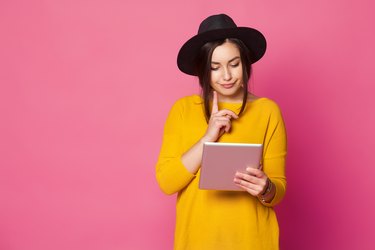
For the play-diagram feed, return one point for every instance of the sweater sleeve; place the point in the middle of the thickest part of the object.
(275, 150)
(171, 174)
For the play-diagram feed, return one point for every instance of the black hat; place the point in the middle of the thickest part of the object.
(219, 27)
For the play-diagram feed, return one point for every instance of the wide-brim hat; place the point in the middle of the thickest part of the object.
(218, 27)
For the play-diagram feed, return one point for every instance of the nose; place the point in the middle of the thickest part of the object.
(227, 74)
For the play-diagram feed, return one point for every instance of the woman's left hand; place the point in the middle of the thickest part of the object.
(254, 181)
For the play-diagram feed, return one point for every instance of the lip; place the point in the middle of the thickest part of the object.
(227, 85)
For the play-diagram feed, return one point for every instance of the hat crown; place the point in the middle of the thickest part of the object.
(216, 22)
(217, 28)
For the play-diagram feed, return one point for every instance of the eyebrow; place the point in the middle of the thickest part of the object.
(237, 57)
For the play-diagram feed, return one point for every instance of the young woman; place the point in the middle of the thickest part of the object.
(221, 55)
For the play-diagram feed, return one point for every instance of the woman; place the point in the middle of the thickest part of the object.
(221, 55)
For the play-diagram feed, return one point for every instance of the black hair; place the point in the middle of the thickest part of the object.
(203, 69)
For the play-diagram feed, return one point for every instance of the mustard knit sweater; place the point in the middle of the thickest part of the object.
(223, 220)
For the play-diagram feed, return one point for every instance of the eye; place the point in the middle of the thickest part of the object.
(214, 68)
(234, 65)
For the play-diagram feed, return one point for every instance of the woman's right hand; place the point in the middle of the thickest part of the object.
(219, 123)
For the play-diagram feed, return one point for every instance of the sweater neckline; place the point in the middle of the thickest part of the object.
(231, 103)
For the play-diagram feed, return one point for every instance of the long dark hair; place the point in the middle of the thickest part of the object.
(203, 64)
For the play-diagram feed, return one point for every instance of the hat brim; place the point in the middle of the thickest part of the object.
(252, 38)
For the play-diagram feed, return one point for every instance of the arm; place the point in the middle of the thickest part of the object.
(171, 174)
(275, 156)
(219, 123)
(255, 181)
(175, 168)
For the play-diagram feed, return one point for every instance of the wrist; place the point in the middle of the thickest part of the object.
(205, 139)
(263, 196)
(267, 188)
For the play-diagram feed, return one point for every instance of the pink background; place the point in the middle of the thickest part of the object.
(85, 89)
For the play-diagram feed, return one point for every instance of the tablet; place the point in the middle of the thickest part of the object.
(220, 162)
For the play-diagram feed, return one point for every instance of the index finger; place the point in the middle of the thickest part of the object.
(215, 107)
(255, 172)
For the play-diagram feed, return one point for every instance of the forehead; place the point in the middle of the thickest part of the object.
(225, 52)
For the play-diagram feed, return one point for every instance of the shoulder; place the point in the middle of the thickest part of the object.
(266, 108)
(186, 104)
(188, 101)
(266, 103)
(191, 99)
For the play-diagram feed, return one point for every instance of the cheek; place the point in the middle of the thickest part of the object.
(215, 76)
(238, 72)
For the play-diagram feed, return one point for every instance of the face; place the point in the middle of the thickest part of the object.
(226, 73)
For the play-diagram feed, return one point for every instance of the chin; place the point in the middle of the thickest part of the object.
(230, 92)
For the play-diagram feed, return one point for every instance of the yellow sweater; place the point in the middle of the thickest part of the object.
(222, 220)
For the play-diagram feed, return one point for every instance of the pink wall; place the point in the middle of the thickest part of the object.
(85, 87)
